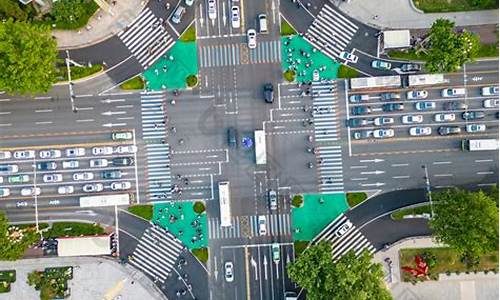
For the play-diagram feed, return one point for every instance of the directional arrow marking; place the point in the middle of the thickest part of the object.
(216, 272)
(265, 267)
(114, 125)
(112, 100)
(373, 172)
(254, 265)
(110, 113)
(376, 160)
(373, 184)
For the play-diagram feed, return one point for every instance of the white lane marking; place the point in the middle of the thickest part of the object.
(5, 100)
(5, 124)
(359, 179)
(125, 106)
(483, 160)
(87, 95)
(484, 173)
(359, 167)
(399, 165)
(43, 97)
(43, 110)
(441, 163)
(86, 108)
(486, 184)
(125, 118)
(86, 120)
(401, 177)
(45, 122)
(443, 175)
(5, 112)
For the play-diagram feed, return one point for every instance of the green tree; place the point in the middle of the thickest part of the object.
(13, 249)
(350, 277)
(27, 58)
(466, 221)
(72, 14)
(449, 50)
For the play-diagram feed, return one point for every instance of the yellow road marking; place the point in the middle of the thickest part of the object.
(407, 152)
(422, 138)
(242, 16)
(4, 137)
(247, 271)
(110, 143)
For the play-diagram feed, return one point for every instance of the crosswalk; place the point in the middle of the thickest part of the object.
(351, 240)
(331, 32)
(157, 150)
(156, 253)
(238, 54)
(247, 226)
(328, 152)
(146, 37)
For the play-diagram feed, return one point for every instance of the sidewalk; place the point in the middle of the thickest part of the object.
(101, 25)
(401, 14)
(463, 286)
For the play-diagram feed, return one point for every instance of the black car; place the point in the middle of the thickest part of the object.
(473, 115)
(410, 67)
(393, 107)
(47, 165)
(123, 161)
(454, 105)
(111, 174)
(390, 96)
(269, 92)
(357, 122)
(447, 130)
(361, 110)
(231, 137)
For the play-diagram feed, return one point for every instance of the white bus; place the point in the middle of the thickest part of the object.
(426, 79)
(375, 82)
(105, 200)
(225, 204)
(479, 145)
(260, 147)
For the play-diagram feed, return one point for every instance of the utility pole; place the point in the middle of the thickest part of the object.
(428, 188)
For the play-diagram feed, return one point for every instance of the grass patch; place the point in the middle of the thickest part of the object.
(8, 276)
(407, 54)
(286, 28)
(289, 75)
(398, 215)
(347, 72)
(446, 260)
(77, 72)
(297, 200)
(191, 80)
(354, 199)
(70, 14)
(432, 6)
(299, 247)
(199, 207)
(201, 254)
(189, 35)
(488, 50)
(62, 229)
(41, 226)
(136, 83)
(144, 211)
(4, 287)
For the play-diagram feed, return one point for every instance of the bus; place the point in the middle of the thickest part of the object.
(425, 79)
(225, 204)
(105, 200)
(479, 145)
(393, 81)
(260, 147)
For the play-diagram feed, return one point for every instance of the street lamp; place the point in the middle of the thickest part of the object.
(428, 188)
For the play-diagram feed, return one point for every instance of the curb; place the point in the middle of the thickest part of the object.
(414, 8)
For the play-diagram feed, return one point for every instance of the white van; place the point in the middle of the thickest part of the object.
(262, 23)
(179, 12)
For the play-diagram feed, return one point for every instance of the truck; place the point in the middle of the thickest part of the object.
(105, 200)
(479, 145)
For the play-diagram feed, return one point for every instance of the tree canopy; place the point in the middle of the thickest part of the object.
(449, 50)
(13, 240)
(27, 58)
(350, 277)
(466, 221)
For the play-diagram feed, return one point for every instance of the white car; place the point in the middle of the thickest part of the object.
(5, 154)
(30, 191)
(348, 57)
(120, 186)
(488, 103)
(73, 152)
(383, 133)
(444, 117)
(50, 153)
(489, 90)
(83, 176)
(262, 225)
(99, 163)
(417, 94)
(106, 150)
(412, 119)
(67, 189)
(418, 131)
(235, 16)
(453, 92)
(126, 149)
(52, 178)
(252, 38)
(473, 128)
(343, 229)
(189, 2)
(21, 204)
(228, 271)
(212, 10)
(93, 187)
(70, 164)
(4, 192)
(381, 121)
(26, 154)
(1, 179)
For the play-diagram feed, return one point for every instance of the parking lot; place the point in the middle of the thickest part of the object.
(59, 174)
